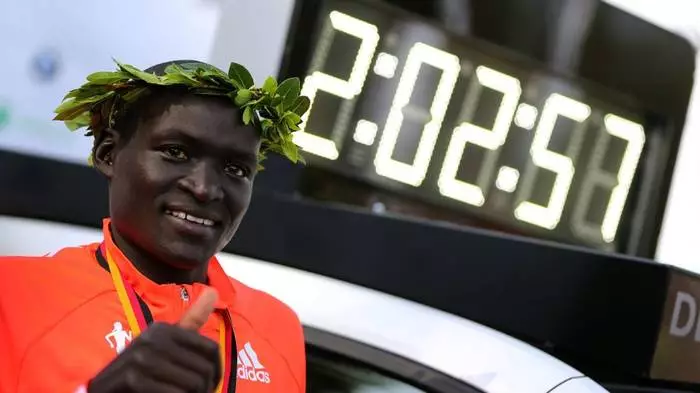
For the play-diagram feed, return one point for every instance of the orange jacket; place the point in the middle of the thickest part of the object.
(61, 322)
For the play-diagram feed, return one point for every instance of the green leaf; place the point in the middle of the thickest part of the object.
(242, 97)
(66, 104)
(240, 74)
(70, 109)
(73, 112)
(265, 102)
(204, 69)
(270, 86)
(70, 104)
(289, 91)
(107, 78)
(174, 69)
(174, 75)
(290, 150)
(71, 94)
(292, 119)
(237, 85)
(79, 122)
(267, 124)
(223, 82)
(138, 74)
(254, 101)
(86, 92)
(179, 79)
(247, 115)
(276, 101)
(301, 105)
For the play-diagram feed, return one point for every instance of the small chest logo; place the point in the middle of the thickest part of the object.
(249, 366)
(118, 338)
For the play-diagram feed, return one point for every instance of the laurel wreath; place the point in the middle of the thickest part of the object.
(275, 110)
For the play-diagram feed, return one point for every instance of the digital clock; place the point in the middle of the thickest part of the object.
(399, 103)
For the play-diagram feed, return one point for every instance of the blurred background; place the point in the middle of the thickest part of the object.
(557, 129)
(615, 57)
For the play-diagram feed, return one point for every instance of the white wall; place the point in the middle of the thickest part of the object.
(81, 37)
(252, 33)
(677, 242)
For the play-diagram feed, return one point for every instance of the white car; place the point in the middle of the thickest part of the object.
(361, 340)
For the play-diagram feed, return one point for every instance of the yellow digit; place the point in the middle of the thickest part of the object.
(634, 135)
(619, 183)
(414, 173)
(347, 89)
(548, 216)
(492, 139)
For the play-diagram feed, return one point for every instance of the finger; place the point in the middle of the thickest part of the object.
(173, 341)
(192, 377)
(192, 351)
(143, 384)
(198, 314)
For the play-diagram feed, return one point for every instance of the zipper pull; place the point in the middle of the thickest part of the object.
(184, 295)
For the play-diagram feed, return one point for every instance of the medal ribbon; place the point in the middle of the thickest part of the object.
(138, 317)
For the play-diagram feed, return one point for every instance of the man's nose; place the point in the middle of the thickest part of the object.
(204, 182)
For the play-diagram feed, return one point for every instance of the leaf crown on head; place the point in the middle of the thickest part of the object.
(275, 110)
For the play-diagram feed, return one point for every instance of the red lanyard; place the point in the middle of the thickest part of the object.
(137, 320)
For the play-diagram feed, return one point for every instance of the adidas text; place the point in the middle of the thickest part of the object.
(252, 375)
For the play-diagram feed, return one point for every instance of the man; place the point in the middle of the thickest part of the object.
(149, 309)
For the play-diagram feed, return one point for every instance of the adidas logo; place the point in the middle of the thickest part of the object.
(249, 366)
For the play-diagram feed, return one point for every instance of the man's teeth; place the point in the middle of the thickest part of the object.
(191, 218)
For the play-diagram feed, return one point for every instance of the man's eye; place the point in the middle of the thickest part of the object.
(176, 152)
(236, 170)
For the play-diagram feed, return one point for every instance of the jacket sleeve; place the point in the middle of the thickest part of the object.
(9, 347)
(21, 324)
(8, 354)
(301, 366)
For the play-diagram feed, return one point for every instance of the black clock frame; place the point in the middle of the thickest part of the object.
(609, 60)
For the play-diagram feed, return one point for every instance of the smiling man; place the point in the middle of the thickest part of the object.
(149, 309)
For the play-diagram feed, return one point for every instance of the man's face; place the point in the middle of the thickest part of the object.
(182, 183)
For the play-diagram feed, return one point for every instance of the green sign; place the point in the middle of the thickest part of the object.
(4, 116)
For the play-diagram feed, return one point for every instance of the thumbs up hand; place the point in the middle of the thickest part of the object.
(198, 314)
(167, 357)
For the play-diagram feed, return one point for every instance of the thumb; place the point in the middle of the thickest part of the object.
(197, 315)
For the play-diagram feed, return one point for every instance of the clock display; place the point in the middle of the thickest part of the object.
(400, 104)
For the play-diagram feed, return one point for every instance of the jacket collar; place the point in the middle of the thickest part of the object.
(152, 291)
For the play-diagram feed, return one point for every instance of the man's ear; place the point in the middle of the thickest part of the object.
(105, 152)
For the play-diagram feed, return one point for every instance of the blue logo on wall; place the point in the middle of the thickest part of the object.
(46, 65)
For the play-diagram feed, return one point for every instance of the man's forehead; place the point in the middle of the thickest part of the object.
(208, 127)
